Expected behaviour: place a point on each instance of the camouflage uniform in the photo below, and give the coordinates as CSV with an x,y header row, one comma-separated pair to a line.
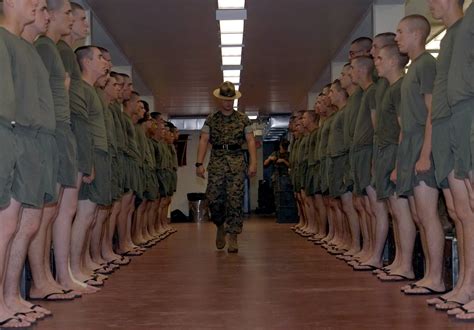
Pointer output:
x,y
225,188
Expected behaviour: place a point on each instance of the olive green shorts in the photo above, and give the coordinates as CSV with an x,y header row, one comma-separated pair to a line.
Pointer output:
x,y
309,187
160,177
174,180
296,178
80,129
408,154
384,165
130,174
67,151
51,160
323,174
443,156
362,162
336,168
317,177
302,173
35,175
116,175
8,154
151,185
99,191
348,172
461,135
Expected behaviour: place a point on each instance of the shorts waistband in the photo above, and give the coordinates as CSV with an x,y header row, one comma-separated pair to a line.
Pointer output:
x,y
7,123
32,132
78,117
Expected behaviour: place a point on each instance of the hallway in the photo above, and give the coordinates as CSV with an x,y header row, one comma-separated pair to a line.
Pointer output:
x,y
277,281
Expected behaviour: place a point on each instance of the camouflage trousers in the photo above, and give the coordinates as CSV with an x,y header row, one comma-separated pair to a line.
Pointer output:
x,y
225,191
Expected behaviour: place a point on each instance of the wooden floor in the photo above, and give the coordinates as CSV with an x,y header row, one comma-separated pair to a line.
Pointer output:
x,y
277,281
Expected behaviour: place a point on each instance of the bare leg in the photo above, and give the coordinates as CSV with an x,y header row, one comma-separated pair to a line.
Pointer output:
x,y
96,236
405,227
10,217
84,219
426,201
354,227
379,209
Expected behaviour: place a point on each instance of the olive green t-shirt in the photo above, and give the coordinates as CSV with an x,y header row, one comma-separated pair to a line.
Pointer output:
x,y
116,112
302,149
380,88
33,96
109,120
160,154
312,143
460,76
45,96
151,161
387,127
294,151
130,137
324,138
364,130
418,81
350,113
336,145
49,52
174,157
142,145
7,92
96,117
440,107
76,92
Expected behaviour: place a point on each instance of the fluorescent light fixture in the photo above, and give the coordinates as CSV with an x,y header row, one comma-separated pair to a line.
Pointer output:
x,y
434,43
231,73
232,38
232,26
253,117
234,80
231,51
231,4
231,60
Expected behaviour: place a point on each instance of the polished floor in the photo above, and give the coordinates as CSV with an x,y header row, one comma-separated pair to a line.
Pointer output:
x,y
277,281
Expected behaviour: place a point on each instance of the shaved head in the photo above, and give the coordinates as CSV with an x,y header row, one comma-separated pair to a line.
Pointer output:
x,y
392,51
364,62
418,23
54,5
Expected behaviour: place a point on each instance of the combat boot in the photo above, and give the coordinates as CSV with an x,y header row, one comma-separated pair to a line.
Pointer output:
x,y
220,237
233,246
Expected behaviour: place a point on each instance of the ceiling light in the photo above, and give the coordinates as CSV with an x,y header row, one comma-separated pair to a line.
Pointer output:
x,y
232,26
231,60
231,73
234,80
232,38
252,117
231,51
231,4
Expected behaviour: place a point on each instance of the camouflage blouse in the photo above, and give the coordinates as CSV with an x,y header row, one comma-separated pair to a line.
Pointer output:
x,y
224,129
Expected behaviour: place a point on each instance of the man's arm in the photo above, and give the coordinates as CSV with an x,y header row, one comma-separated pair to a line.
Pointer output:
x,y
202,150
423,164
253,154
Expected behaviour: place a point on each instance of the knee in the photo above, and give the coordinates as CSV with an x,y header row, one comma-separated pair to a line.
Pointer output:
x,y
462,212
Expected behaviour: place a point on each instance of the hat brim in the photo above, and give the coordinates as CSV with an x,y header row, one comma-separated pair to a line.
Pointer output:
x,y
227,98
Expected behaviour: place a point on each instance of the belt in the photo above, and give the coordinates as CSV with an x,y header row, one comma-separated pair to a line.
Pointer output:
x,y
226,147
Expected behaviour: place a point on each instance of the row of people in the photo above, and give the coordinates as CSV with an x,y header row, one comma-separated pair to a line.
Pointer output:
x,y
381,143
81,160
